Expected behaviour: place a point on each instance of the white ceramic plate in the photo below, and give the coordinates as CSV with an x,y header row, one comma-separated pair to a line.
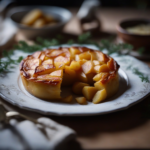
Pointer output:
x,y
131,91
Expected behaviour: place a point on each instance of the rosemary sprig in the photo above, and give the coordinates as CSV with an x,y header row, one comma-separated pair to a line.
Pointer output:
x,y
115,48
23,46
140,74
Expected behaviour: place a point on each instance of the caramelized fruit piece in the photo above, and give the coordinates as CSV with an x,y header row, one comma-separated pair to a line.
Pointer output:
x,y
61,60
54,53
31,64
36,54
100,76
81,100
102,57
32,16
44,69
85,55
87,67
75,65
96,62
78,86
74,51
93,56
48,62
67,99
89,92
99,96
111,87
101,68
28,73
39,23
58,73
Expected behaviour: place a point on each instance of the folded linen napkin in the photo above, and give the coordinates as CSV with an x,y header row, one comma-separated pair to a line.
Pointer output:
x,y
27,135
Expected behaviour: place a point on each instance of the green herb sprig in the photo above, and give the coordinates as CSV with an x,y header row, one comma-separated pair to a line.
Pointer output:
x,y
140,74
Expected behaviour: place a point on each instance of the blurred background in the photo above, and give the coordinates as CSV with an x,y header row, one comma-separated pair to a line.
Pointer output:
x,y
140,4
103,20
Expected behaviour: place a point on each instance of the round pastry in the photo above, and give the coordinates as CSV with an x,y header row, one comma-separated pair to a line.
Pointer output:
x,y
90,73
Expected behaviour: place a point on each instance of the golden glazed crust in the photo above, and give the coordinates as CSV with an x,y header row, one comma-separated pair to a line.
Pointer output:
x,y
44,72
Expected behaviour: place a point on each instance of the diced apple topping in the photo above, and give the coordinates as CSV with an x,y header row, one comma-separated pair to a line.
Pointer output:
x,y
54,53
102,57
28,73
85,55
48,62
99,96
36,54
62,59
100,76
44,69
69,71
78,86
81,100
74,51
82,61
75,65
87,67
42,56
93,56
96,62
57,73
31,64
104,68
67,99
101,68
89,92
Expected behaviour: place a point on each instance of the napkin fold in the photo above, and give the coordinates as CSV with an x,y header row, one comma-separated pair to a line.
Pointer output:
x,y
27,135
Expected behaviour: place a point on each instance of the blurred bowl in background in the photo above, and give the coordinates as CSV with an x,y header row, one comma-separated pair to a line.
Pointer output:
x,y
138,39
62,15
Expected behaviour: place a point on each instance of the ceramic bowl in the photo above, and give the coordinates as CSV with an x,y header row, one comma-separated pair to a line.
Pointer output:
x,y
136,40
61,14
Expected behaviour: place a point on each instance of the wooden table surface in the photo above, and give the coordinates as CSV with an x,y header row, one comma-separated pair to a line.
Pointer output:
x,y
123,129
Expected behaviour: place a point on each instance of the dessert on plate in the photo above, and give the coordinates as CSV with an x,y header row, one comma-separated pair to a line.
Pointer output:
x,y
91,74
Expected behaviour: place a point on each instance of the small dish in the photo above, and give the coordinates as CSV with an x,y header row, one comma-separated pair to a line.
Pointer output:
x,y
137,40
61,14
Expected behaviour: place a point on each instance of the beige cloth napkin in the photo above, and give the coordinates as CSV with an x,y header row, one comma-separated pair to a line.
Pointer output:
x,y
27,135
